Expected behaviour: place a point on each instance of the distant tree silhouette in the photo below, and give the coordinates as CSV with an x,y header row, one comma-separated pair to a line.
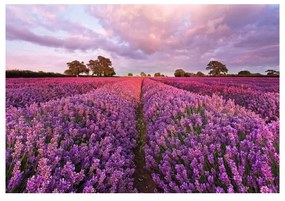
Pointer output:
x,y
187,74
27,73
143,74
244,73
75,68
130,74
216,68
157,74
272,72
179,73
149,75
257,74
200,74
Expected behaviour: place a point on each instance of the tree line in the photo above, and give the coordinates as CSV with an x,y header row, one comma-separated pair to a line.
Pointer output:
x,y
15,73
101,67
217,68
143,74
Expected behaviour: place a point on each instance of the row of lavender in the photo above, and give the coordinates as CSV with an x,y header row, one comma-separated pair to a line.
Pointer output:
x,y
266,84
23,92
254,83
257,96
81,143
205,144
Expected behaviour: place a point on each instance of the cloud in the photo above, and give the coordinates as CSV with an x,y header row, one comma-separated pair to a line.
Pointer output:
x,y
77,36
154,36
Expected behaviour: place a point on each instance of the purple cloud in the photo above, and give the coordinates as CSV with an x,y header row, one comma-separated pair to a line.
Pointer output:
x,y
154,37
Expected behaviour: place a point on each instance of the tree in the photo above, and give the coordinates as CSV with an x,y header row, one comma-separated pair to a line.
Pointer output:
x,y
272,72
257,74
244,73
157,75
149,75
179,73
216,68
200,74
95,67
75,68
109,72
187,74
68,72
101,67
130,74
87,71
143,74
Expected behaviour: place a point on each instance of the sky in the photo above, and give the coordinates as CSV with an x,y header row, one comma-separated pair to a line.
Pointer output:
x,y
143,38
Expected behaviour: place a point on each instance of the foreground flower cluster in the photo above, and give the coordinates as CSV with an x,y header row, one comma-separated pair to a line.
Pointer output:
x,y
81,143
22,92
260,95
205,144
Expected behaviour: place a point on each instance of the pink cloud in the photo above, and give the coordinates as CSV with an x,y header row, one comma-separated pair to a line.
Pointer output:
x,y
146,36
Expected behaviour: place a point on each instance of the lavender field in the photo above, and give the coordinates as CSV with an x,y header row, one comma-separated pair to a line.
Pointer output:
x,y
133,135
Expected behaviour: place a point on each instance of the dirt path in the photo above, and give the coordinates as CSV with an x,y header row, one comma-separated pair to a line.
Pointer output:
x,y
143,180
